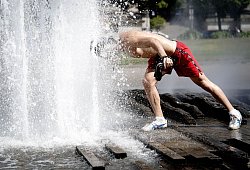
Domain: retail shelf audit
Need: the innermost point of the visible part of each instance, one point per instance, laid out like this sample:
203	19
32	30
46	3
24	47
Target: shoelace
234	120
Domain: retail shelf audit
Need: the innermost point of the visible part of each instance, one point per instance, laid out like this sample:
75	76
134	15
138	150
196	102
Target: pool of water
40	158
59	153
64	157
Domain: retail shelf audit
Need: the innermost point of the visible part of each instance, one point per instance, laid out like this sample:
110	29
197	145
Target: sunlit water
55	93
48	76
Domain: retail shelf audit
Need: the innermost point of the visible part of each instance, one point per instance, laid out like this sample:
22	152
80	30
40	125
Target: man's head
103	46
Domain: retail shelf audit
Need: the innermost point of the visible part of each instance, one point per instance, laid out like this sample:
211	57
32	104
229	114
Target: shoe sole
160	127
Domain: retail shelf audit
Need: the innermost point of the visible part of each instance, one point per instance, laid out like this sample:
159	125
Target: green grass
210	50
220	49
133	61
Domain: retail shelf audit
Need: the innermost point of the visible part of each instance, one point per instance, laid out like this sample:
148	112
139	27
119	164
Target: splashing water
49	79
54	91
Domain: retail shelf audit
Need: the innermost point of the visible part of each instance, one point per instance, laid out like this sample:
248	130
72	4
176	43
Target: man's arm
157	46
154	43
145	52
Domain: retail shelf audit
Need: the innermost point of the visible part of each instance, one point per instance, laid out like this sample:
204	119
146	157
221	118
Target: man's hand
161	64
168	62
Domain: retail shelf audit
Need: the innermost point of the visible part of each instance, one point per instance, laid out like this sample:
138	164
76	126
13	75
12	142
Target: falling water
55	92
48	78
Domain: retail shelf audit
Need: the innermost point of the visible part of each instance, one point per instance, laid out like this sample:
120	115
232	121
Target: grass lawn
220	49
211	50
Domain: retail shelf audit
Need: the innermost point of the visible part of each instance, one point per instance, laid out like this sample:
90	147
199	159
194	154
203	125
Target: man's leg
213	89
218	94
149	84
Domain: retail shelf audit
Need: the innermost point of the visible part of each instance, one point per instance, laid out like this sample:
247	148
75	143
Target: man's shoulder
161	34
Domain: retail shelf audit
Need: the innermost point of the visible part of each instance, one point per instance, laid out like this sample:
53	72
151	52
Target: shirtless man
164	55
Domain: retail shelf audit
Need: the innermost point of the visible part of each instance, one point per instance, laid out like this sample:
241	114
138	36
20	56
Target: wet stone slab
91	158
197	132
143	166
230	154
177	148
196	137
118	152
184	107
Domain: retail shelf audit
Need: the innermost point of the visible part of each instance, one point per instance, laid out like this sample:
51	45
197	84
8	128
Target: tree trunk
237	21
219	22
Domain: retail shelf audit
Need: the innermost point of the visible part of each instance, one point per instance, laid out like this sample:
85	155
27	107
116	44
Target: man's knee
149	80
146	83
205	83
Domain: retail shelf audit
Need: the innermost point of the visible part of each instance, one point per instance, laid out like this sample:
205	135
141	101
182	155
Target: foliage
235	6
203	9
193	35
164	8
235	9
157	22
220	7
162	4
190	34
245	34
221	34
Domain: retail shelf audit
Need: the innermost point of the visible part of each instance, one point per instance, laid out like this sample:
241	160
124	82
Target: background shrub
221	34
157	22
190	34
245	34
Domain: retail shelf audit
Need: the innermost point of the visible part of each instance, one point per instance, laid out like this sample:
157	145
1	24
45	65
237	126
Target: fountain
49	79
56	93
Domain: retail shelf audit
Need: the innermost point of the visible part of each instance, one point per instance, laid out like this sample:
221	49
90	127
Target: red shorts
185	64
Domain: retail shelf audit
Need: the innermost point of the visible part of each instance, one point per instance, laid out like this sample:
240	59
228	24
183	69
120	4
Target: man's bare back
147	44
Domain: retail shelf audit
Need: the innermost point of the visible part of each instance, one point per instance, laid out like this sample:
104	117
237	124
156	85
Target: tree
164	8
221	7
235	9
201	12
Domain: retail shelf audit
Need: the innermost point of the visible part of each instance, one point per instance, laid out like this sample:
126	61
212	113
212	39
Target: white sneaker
235	120
156	124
